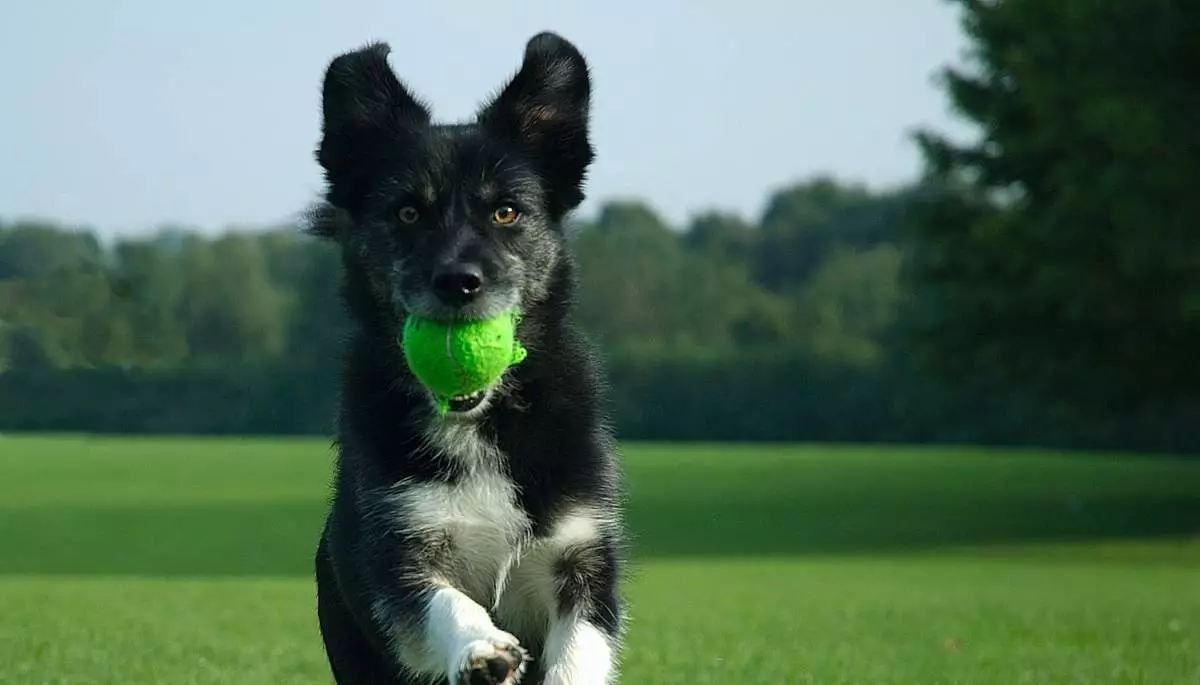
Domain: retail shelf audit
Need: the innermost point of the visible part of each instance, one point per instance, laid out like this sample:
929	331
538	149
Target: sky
125	115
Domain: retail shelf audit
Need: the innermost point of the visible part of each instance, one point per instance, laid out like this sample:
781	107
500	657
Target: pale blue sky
124	114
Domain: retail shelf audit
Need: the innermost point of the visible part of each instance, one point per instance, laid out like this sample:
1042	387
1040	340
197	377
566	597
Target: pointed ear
544	109
364	106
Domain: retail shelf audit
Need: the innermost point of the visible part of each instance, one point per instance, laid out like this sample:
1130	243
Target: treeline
789	327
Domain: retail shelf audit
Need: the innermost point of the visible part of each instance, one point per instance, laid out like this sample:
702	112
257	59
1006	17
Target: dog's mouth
463	404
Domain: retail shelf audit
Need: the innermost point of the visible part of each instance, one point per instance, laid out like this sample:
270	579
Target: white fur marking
528	602
458	439
480	515
496	564
577	653
579	527
453	621
457	632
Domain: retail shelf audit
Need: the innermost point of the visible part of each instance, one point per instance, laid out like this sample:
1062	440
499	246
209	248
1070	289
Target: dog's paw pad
488	663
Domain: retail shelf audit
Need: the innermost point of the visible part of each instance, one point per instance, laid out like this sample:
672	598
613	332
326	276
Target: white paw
499	660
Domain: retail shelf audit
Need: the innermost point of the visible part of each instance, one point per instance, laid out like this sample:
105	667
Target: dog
483	544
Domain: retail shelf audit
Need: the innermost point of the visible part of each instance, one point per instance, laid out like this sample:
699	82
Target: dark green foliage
241	333
715	399
805	222
1062	252
645	290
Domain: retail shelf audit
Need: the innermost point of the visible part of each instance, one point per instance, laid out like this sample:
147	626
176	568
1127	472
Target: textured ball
460	358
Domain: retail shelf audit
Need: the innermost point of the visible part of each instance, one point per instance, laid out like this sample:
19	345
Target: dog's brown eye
408	214
505	215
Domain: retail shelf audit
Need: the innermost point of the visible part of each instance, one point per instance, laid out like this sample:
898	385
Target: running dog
483	545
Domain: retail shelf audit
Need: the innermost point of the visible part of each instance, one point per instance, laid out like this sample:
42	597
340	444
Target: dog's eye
506	215
408	215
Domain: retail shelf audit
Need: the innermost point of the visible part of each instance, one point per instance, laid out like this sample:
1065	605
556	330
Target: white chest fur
479	521
487	557
492	556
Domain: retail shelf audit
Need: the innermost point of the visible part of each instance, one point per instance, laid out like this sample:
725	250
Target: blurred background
870	278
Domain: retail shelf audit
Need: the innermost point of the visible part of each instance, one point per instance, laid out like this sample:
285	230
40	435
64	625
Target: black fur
382	153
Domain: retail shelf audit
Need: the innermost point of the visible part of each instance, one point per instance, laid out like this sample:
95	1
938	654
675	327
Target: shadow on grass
277	539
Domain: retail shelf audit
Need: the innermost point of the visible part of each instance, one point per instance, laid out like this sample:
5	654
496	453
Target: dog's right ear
364	108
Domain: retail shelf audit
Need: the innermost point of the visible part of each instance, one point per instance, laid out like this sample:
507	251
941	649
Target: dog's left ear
544	109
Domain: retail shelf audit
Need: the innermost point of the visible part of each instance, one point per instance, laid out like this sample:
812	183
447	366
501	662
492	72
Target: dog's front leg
441	632
460	633
585	632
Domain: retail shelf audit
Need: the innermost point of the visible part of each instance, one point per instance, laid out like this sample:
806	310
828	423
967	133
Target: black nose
458	283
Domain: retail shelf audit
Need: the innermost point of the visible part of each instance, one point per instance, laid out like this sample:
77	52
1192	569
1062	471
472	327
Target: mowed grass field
162	561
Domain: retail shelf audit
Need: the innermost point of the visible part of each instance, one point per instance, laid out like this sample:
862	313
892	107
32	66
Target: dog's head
454	221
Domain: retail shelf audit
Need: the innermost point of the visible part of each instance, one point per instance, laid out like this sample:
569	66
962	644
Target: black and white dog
483	545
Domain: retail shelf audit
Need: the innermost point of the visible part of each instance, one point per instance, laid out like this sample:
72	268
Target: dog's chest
473	528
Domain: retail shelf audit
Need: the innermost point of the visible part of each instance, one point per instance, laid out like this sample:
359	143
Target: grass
164	561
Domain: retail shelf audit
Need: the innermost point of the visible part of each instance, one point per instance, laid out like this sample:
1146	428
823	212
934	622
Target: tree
319	324
642	291
722	237
56	294
850	304
804	223
1061	250
38	249
150	285
231	309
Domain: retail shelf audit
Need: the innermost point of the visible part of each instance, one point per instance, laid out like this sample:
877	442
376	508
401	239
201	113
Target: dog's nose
458	283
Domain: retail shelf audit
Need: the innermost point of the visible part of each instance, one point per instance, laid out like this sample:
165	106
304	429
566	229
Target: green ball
460	358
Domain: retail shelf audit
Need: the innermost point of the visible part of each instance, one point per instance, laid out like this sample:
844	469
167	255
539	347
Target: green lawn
155	561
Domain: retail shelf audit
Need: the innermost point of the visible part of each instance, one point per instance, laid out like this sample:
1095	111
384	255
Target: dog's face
455	221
